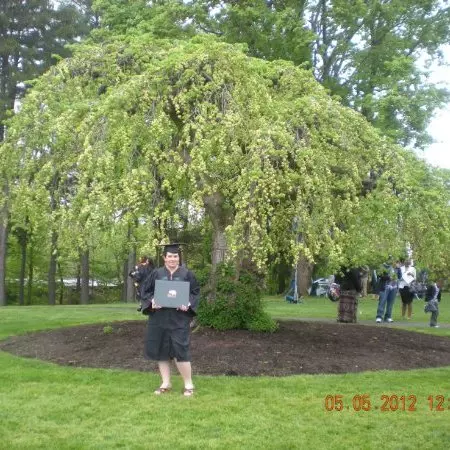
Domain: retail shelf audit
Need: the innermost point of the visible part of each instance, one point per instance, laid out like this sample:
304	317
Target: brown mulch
296	348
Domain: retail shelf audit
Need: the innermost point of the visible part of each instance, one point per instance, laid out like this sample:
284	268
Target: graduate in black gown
168	329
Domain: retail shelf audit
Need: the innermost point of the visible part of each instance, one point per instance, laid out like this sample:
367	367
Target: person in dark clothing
433	297
387	289
140	273
168	330
349	281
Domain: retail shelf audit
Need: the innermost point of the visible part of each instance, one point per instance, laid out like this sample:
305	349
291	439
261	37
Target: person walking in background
408	276
140	273
387	288
349	281
433	297
364	270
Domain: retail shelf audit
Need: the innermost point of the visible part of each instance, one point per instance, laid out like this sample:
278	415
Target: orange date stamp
384	402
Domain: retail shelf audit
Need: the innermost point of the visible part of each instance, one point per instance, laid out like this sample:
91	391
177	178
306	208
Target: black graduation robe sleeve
148	286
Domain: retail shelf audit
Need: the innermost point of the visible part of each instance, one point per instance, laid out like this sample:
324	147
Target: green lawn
321	307
46	406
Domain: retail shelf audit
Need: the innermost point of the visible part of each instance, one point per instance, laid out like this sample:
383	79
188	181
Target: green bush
237	303
263	322
202	275
108	329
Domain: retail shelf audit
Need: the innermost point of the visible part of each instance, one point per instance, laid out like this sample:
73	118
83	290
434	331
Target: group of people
401	278
168	329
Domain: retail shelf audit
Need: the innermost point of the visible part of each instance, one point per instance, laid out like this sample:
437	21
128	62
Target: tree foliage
157	124
146	129
32	32
372	54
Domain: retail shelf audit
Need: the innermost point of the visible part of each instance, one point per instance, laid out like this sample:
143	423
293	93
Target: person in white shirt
408	275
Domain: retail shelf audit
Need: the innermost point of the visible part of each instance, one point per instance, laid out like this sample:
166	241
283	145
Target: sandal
188	392
162	390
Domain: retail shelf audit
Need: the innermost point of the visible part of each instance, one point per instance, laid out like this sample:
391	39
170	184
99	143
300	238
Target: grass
321	307
45	406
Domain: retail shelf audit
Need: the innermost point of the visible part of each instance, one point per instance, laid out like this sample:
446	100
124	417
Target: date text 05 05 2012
386	402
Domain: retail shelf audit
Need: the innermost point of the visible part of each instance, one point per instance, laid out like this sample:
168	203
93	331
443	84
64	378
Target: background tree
91	17
372	54
272	29
31	33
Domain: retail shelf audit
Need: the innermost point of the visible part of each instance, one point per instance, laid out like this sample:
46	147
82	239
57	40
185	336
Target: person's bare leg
164	370
186	373
409	310
403	310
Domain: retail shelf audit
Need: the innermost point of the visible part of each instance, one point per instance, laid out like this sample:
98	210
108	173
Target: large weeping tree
255	145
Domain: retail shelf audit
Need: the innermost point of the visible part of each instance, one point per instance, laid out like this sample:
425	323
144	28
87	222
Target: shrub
237	303
263	322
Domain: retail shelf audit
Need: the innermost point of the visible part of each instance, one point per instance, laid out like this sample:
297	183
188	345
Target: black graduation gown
168	329
139	275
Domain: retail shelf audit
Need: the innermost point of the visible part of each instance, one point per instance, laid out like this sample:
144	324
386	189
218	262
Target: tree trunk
52	269
126	280
54	243
304	273
130	291
61	284
219	249
219	218
78	285
8	90
23	239
3	246
30	275
84	298
215	210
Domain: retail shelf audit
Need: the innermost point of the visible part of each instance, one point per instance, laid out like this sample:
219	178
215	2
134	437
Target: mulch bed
296	348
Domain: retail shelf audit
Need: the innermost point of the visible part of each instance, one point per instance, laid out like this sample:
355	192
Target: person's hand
184	307
155	305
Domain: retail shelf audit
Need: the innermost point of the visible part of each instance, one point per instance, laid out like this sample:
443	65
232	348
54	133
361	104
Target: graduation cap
174	247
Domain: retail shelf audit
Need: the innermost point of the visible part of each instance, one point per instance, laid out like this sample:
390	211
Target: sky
438	153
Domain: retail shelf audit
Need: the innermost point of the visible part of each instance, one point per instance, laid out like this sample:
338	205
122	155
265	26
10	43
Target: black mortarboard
174	247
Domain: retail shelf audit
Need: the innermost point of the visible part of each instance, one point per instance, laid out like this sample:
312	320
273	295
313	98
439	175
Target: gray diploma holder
171	294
